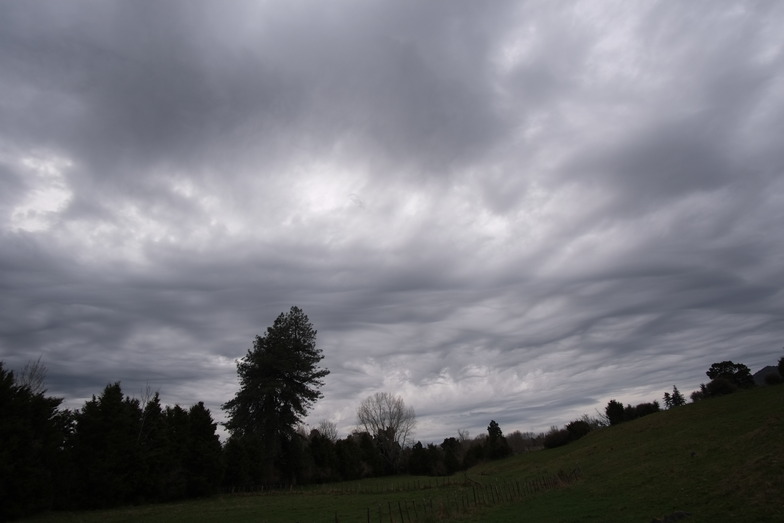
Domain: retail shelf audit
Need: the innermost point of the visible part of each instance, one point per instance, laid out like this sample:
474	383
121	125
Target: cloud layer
511	212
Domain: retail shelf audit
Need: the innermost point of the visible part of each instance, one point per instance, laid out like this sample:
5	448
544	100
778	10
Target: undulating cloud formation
507	210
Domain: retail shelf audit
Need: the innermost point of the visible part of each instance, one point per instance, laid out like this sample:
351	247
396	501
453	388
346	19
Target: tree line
119	450
114	450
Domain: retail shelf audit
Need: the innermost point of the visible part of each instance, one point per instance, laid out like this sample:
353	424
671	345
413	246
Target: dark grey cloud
512	212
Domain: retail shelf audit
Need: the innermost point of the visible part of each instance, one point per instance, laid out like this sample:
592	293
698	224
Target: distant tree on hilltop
675	399
614	412
736	373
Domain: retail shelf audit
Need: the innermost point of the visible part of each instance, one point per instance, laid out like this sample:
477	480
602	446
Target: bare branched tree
33	376
328	429
387	418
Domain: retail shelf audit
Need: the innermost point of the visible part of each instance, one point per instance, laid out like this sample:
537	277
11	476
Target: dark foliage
325	458
525	441
123	453
556	438
203	457
617	413
426	460
453	453
350	465
112	451
614	412
675	399
496	446
577	429
644	409
279	382
736	373
719	386
773	379
572	432
474	455
242	455
33	432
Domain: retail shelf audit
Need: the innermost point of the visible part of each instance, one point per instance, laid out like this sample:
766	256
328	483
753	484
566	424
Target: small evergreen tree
677	398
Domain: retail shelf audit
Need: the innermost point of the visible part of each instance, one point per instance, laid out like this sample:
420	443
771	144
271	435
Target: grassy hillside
718	460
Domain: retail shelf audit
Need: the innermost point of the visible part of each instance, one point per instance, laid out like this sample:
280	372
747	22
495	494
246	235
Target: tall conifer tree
279	382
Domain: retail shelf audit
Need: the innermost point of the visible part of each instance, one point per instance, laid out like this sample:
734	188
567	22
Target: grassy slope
720	460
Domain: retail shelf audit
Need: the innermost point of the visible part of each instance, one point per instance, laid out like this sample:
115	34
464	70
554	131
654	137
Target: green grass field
718	460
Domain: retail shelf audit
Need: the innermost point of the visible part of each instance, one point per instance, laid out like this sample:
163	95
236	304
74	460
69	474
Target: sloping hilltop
720	459
716	460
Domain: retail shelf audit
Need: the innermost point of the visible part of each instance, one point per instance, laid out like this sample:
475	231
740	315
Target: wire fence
469	496
426	499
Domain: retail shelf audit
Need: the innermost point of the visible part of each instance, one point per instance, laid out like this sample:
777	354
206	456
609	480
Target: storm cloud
513	211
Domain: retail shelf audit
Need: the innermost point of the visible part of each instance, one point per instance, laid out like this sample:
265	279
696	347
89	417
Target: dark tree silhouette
453	453
737	373
106	449
496	446
203	459
325	458
279	382
387	419
677	398
614	411
32	432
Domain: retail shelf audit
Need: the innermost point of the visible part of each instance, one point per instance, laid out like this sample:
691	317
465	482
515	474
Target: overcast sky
497	210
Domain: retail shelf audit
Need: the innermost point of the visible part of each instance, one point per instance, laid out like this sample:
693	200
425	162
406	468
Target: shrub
556	438
773	379
577	429
720	387
643	409
614	411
